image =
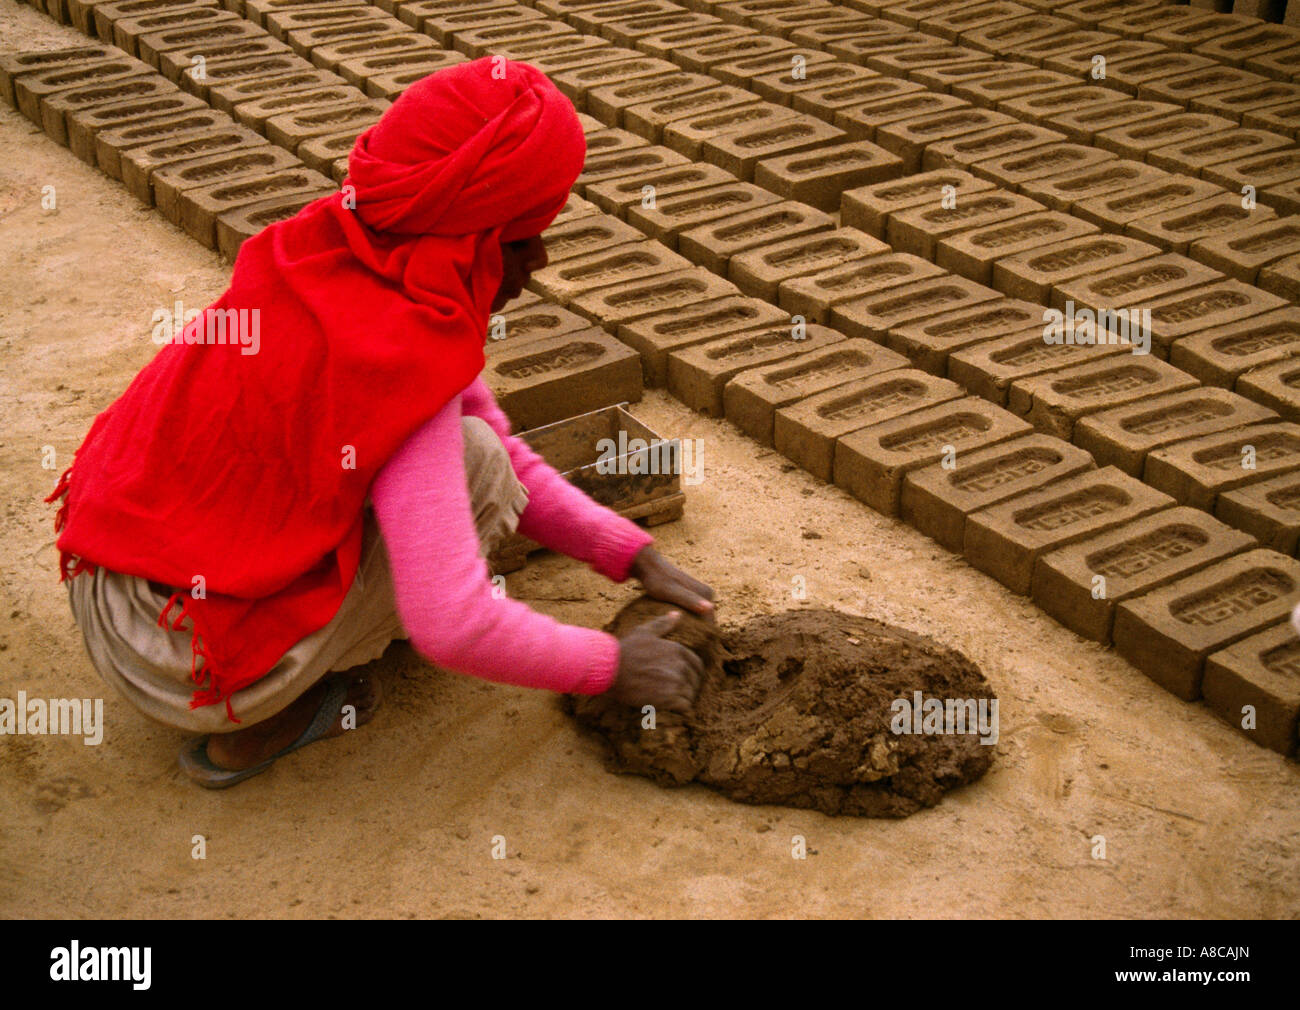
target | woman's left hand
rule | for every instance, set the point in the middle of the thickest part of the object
(663, 580)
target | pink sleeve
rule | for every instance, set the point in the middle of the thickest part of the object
(442, 586)
(559, 516)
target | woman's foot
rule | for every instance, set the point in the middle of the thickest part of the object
(245, 748)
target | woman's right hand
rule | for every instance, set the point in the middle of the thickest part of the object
(655, 671)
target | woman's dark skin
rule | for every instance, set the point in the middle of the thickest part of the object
(651, 669)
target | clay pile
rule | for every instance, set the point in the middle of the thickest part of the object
(801, 709)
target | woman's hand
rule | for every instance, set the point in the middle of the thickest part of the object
(655, 671)
(665, 581)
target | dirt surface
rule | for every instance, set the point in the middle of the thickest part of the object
(399, 818)
(798, 709)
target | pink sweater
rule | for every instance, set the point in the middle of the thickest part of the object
(443, 590)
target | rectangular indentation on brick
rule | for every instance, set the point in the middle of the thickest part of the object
(639, 298)
(169, 181)
(139, 162)
(201, 206)
(871, 463)
(909, 138)
(675, 214)
(873, 317)
(1006, 540)
(740, 152)
(565, 281)
(1080, 585)
(1168, 632)
(517, 327)
(868, 208)
(1268, 510)
(761, 271)
(1259, 674)
(712, 245)
(1198, 470)
(927, 344)
(1133, 284)
(752, 397)
(1219, 355)
(1177, 230)
(813, 296)
(1179, 315)
(937, 499)
(648, 188)
(698, 374)
(585, 235)
(1033, 273)
(806, 431)
(973, 253)
(820, 176)
(1084, 126)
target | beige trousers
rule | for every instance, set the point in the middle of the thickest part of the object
(150, 665)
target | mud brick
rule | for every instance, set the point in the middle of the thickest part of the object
(1276, 385)
(1243, 253)
(813, 296)
(927, 344)
(875, 315)
(918, 230)
(1259, 671)
(1193, 157)
(868, 208)
(617, 195)
(218, 41)
(1077, 97)
(1177, 230)
(138, 164)
(256, 112)
(1033, 274)
(1007, 539)
(227, 97)
(909, 138)
(819, 177)
(476, 42)
(1283, 118)
(747, 12)
(56, 109)
(1256, 40)
(1052, 161)
(806, 432)
(279, 25)
(712, 245)
(1206, 81)
(32, 89)
(788, 23)
(989, 92)
(1140, 75)
(579, 81)
(649, 119)
(574, 276)
(914, 13)
(607, 103)
(685, 211)
(937, 499)
(389, 87)
(627, 31)
(538, 321)
(589, 19)
(1282, 278)
(566, 53)
(670, 44)
(1218, 356)
(202, 79)
(1280, 64)
(258, 11)
(111, 144)
(826, 100)
(1008, 36)
(1177, 316)
(1136, 22)
(1166, 194)
(1111, 179)
(1094, 12)
(292, 129)
(1198, 470)
(14, 65)
(1081, 585)
(743, 72)
(1257, 170)
(1123, 437)
(1080, 43)
(305, 41)
(688, 136)
(740, 152)
(321, 153)
(200, 207)
(1054, 402)
(1268, 510)
(657, 336)
(235, 226)
(1137, 140)
(1169, 632)
(871, 463)
(752, 398)
(169, 181)
(822, 35)
(606, 141)
(551, 379)
(128, 31)
(343, 58)
(946, 76)
(702, 58)
(633, 300)
(620, 164)
(955, 23)
(862, 121)
(760, 272)
(1084, 125)
(1238, 102)
(906, 62)
(415, 14)
(698, 374)
(1000, 141)
(82, 127)
(1079, 61)
(856, 49)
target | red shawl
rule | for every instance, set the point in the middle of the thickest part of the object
(241, 478)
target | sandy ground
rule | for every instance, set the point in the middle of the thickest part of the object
(399, 818)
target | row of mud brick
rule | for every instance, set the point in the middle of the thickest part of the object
(882, 466)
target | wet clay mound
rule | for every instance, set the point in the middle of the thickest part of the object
(795, 709)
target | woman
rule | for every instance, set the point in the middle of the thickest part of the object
(237, 527)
